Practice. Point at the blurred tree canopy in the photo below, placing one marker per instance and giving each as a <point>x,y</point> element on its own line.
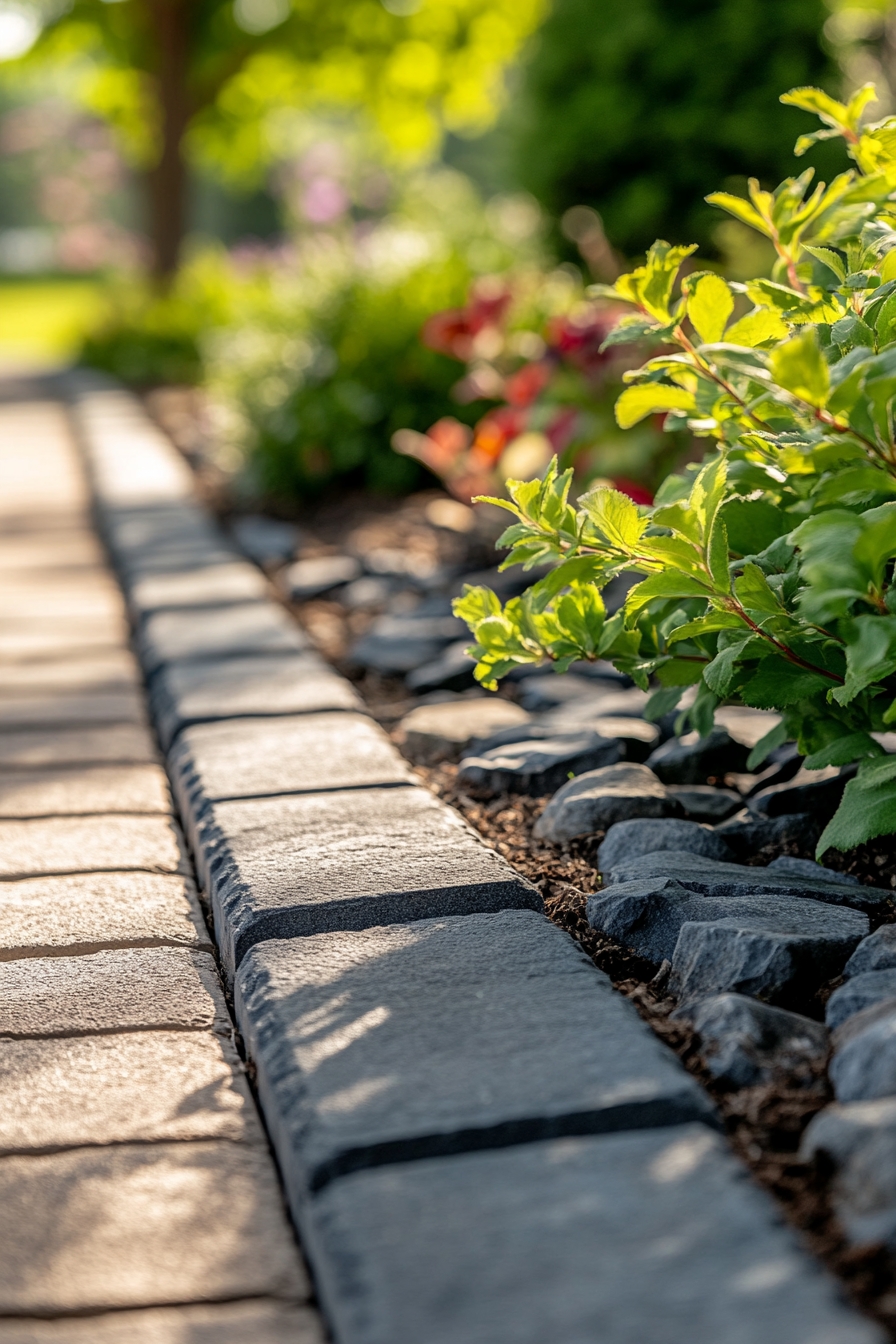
<point>177,78</point>
<point>640,107</point>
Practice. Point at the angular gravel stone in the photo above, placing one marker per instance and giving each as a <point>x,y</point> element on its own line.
<point>734,879</point>
<point>90,844</point>
<point>877,952</point>
<point>315,863</point>
<point>433,733</point>
<point>451,671</point>
<point>623,1238</point>
<point>250,687</point>
<point>744,1042</point>
<point>89,789</point>
<point>650,918</point>
<point>318,575</point>
<point>267,541</point>
<point>130,1226</point>
<point>536,768</point>
<point>786,863</point>
<point>124,744</point>
<point>864,1067</point>
<point>141,1087</point>
<point>211,633</point>
<point>747,836</point>
<point>630,839</point>
<point>860,992</point>
<point>702,802</point>
<point>694,760</point>
<point>859,1140</point>
<point>782,954</point>
<point>257,758</point>
<point>597,800</point>
<point>253,1322</point>
<point>604,699</point>
<point>815,791</point>
<point>745,725</point>
<point>441,1036</point>
<point>219,584</point>
<point>134,989</point>
<point>86,912</point>
<point>547,690</point>
<point>397,644</point>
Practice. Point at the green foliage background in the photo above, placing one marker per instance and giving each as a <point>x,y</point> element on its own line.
<point>641,107</point>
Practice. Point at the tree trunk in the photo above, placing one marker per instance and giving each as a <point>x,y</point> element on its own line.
<point>167,181</point>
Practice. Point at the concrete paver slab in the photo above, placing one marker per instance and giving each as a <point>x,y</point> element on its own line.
<point>83,790</point>
<point>657,1235</point>
<point>217,632</point>
<point>293,683</point>
<point>442,1036</point>
<point>254,758</point>
<point>103,671</point>
<point>258,1322</point>
<point>138,1226</point>
<point>89,845</point>
<point>46,709</point>
<point>142,1087</point>
<point>80,913</point>
<point>313,863</point>
<point>124,743</point>
<point>129,989</point>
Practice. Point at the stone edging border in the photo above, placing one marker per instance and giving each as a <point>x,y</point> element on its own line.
<point>479,1138</point>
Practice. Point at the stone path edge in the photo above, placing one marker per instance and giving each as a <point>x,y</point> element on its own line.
<point>154,483</point>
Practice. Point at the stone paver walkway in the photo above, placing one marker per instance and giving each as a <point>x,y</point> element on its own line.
<point>140,1203</point>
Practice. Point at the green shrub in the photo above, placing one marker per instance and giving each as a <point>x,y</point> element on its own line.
<point>316,378</point>
<point>639,107</point>
<point>768,569</point>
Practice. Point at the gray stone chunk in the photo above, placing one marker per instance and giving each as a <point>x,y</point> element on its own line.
<point>441,1036</point>
<point>267,541</point>
<point>137,1087</point>
<point>133,989</point>
<point>744,1042</point>
<point>623,1238</point>
<point>747,835</point>
<point>249,687</point>
<point>733,879</point>
<point>217,632</point>
<point>650,917</point>
<point>593,700</point>
<point>134,1226</point>
<point>859,1139</point>
<point>702,802</point>
<point>786,863</point>
<point>433,733</point>
<point>318,575</point>
<point>316,863</point>
<point>451,671</point>
<point>547,691</point>
<point>85,912</point>
<point>877,952</point>
<point>398,644</point>
<point>782,953</point>
<point>860,991</point>
<point>864,1067</point>
<point>630,839</point>
<point>814,791</point>
<point>694,760</point>
<point>597,800</point>
<point>257,758</point>
<point>253,1322</point>
<point>536,767</point>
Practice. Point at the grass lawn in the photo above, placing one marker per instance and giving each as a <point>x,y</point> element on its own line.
<point>43,321</point>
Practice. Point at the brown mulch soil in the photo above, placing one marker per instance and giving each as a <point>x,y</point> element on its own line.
<point>764,1124</point>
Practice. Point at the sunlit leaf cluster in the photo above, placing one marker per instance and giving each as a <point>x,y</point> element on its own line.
<point>766,572</point>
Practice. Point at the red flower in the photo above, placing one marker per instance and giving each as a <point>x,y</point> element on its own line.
<point>496,429</point>
<point>524,386</point>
